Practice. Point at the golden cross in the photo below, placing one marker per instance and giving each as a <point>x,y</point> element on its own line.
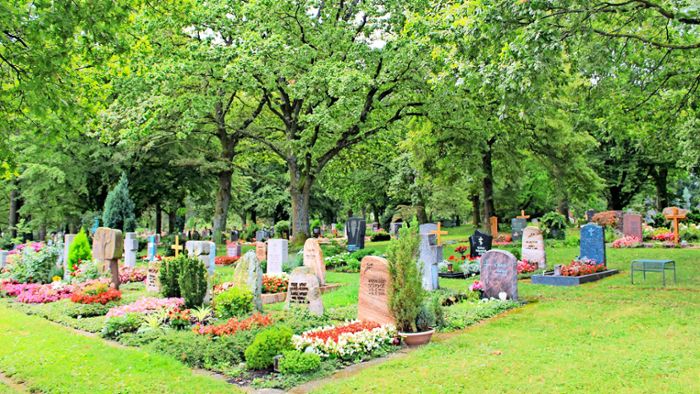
<point>177,247</point>
<point>522,215</point>
<point>675,216</point>
<point>438,233</point>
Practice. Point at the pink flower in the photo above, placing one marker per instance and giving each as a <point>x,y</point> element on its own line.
<point>476,286</point>
<point>146,305</point>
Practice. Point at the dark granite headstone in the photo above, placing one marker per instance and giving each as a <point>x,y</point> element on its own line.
<point>517,226</point>
<point>235,235</point>
<point>499,273</point>
<point>356,229</point>
<point>632,225</point>
<point>589,215</point>
<point>395,226</point>
<point>593,243</point>
<point>479,243</point>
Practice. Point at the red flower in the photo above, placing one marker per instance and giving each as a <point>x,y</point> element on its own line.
<point>102,298</point>
<point>234,325</point>
<point>335,332</point>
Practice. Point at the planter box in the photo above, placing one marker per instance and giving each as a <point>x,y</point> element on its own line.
<point>282,297</point>
<point>452,275</point>
<point>552,280</point>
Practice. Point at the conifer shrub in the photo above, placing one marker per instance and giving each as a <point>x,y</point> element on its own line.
<point>79,251</point>
<point>407,294</point>
<point>119,208</point>
<point>193,282</point>
<point>169,276</point>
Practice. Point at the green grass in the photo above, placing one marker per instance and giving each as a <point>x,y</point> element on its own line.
<point>49,358</point>
<point>608,336</point>
<point>5,389</point>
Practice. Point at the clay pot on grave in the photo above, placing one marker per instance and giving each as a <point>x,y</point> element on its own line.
<point>416,338</point>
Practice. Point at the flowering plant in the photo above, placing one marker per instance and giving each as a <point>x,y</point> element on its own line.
<point>179,319</point>
<point>627,241</point>
<point>226,260</point>
<point>670,236</point>
<point>234,325</point>
<point>220,288</point>
<point>275,283</point>
<point>462,250</point>
<point>94,297</point>
<point>607,218</point>
<point>525,267</point>
<point>350,340</point>
<point>35,246</point>
<point>146,306</point>
<point>42,294</point>
<point>582,267</point>
<point>132,274</point>
<point>476,286</point>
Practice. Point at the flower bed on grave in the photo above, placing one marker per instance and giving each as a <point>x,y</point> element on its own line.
<point>354,340</point>
<point>96,293</point>
<point>576,273</point>
<point>226,260</point>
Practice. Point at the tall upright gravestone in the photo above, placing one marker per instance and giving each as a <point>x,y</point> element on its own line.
<point>517,226</point>
<point>131,246</point>
<point>313,258</point>
<point>67,242</point>
<point>3,258</point>
<point>632,225</point>
<point>375,282</point>
<point>533,247</point>
<point>499,274</point>
<point>201,250</point>
<point>479,244</point>
<point>107,246</point>
<point>430,256</point>
<point>356,229</point>
<point>277,255</point>
<point>152,248</point>
<point>248,274</point>
<point>593,243</point>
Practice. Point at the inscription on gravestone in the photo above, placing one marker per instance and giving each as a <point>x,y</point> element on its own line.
<point>298,293</point>
<point>479,243</point>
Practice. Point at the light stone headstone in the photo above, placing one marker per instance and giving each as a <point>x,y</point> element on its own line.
<point>131,246</point>
<point>304,289</point>
<point>200,250</point>
<point>152,277</point>
<point>233,249</point>
<point>67,242</point>
<point>533,247</point>
<point>313,258</point>
<point>499,273</point>
<point>430,256</point>
<point>248,274</point>
<point>3,258</point>
<point>277,255</point>
<point>375,282</point>
<point>211,265</point>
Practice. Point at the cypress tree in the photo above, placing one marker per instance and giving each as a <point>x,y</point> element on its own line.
<point>119,209</point>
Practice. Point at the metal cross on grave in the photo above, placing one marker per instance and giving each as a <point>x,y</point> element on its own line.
<point>438,233</point>
<point>177,247</point>
<point>675,216</point>
<point>522,215</point>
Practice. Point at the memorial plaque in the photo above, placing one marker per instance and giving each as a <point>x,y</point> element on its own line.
<point>479,243</point>
<point>304,289</point>
<point>152,277</point>
<point>373,302</point>
<point>533,247</point>
<point>499,274</point>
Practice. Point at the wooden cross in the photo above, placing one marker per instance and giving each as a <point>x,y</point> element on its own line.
<point>675,215</point>
<point>494,225</point>
<point>522,215</point>
<point>177,247</point>
<point>438,233</point>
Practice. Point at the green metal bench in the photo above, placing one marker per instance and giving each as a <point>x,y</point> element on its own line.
<point>654,266</point>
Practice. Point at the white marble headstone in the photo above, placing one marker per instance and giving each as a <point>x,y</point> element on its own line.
<point>277,255</point>
<point>131,247</point>
<point>67,241</point>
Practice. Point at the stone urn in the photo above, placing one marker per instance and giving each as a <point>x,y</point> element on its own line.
<point>416,338</point>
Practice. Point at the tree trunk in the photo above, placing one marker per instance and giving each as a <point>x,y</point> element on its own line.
<point>300,211</point>
<point>661,182</point>
<point>615,198</point>
<point>476,209</point>
<point>172,222</point>
<point>564,207</point>
<point>421,215</point>
<point>489,206</point>
<point>13,218</point>
<point>159,219</point>
<point>223,199</point>
<point>42,232</point>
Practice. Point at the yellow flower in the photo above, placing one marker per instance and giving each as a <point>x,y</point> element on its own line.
<point>56,278</point>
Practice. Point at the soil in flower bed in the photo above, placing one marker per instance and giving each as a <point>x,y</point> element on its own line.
<point>559,280</point>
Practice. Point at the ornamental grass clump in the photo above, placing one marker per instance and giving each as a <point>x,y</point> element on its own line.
<point>407,294</point>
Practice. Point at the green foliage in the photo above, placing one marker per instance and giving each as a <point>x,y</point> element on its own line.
<point>169,276</point>
<point>295,362</point>
<point>119,209</point>
<point>35,267</point>
<point>425,320</point>
<point>79,250</point>
<point>553,223</point>
<point>118,325</point>
<point>268,344</point>
<point>300,319</point>
<point>380,236</point>
<point>407,293</point>
<point>78,310</point>
<point>315,223</point>
<point>281,228</point>
<point>234,302</point>
<point>193,282</point>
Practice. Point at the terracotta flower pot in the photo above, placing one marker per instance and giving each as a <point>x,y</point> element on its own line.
<point>416,338</point>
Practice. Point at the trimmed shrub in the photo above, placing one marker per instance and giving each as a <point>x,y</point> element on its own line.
<point>380,236</point>
<point>169,276</point>
<point>268,344</point>
<point>281,228</point>
<point>295,362</point>
<point>193,282</point>
<point>234,302</point>
<point>79,250</point>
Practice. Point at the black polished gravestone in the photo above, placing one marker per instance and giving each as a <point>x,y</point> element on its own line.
<point>479,243</point>
<point>517,226</point>
<point>235,235</point>
<point>356,229</point>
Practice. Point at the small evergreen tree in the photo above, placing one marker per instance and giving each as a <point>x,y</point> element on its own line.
<point>79,250</point>
<point>193,282</point>
<point>119,209</point>
<point>407,294</point>
<point>169,276</point>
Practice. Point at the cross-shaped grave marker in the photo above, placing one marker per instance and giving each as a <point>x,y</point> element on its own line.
<point>177,247</point>
<point>675,215</point>
<point>522,215</point>
<point>438,233</point>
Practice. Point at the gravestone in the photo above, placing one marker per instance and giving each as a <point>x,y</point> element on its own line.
<point>632,225</point>
<point>235,235</point>
<point>3,258</point>
<point>131,246</point>
<point>211,265</point>
<point>107,247</point>
<point>395,228</point>
<point>533,247</point>
<point>233,249</point>
<point>493,221</point>
<point>67,242</point>
<point>200,250</point>
<point>430,256</point>
<point>248,274</point>
<point>479,243</point>
<point>152,248</point>
<point>313,258</point>
<point>375,282</point>
<point>261,251</point>
<point>517,226</point>
<point>593,243</point>
<point>261,235</point>
<point>304,289</point>
<point>277,255</point>
<point>375,227</point>
<point>499,273</point>
<point>589,215</point>
<point>152,277</point>
<point>355,228</point>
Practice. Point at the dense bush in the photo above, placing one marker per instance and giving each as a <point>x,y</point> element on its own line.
<point>282,228</point>
<point>234,302</point>
<point>295,362</point>
<point>406,294</point>
<point>200,351</point>
<point>35,266</point>
<point>88,310</point>
<point>193,282</point>
<point>169,276</point>
<point>300,319</point>
<point>380,236</point>
<point>79,250</point>
<point>268,344</point>
<point>119,208</point>
<point>553,224</point>
<point>116,326</point>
